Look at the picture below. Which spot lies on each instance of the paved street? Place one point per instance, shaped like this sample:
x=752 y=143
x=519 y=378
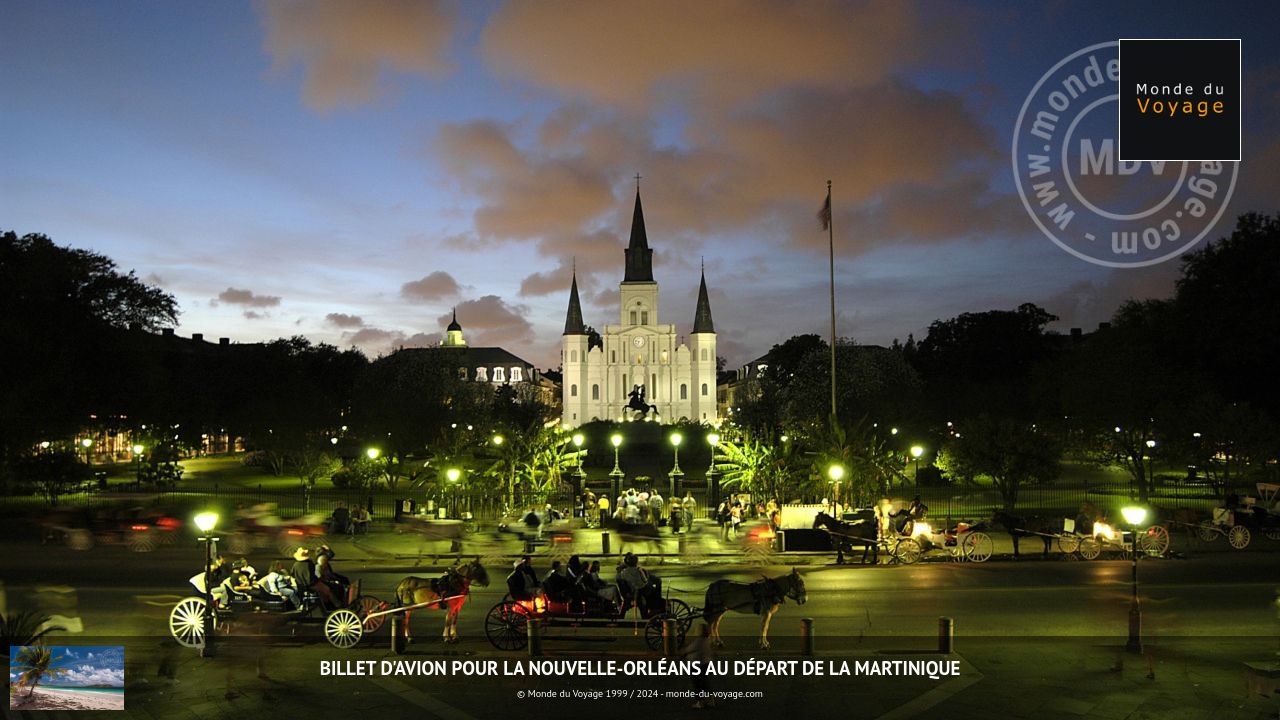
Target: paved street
x=1038 y=637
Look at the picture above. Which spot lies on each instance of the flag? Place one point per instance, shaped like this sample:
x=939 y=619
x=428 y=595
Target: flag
x=824 y=215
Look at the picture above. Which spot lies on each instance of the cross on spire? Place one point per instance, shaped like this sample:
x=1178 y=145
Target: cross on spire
x=637 y=182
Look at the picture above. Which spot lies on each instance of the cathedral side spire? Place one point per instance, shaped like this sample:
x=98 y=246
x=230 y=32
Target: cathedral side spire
x=573 y=324
x=702 y=317
x=639 y=255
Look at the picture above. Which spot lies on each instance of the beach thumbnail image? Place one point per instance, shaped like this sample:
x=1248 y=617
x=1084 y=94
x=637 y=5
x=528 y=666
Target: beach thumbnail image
x=66 y=677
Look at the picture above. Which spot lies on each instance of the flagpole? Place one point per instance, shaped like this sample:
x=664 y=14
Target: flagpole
x=831 y=257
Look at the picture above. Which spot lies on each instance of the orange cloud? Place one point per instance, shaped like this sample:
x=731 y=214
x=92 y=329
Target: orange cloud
x=344 y=46
x=435 y=286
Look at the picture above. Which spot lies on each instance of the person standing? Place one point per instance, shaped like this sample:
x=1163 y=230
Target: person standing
x=690 y=509
x=658 y=507
x=603 y=505
x=676 y=511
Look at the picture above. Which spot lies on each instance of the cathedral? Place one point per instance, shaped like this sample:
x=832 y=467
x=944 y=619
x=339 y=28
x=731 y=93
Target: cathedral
x=640 y=368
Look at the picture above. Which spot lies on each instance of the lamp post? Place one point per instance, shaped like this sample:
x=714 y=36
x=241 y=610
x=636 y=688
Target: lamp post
x=615 y=475
x=453 y=474
x=713 y=486
x=1134 y=516
x=676 y=474
x=916 y=452
x=578 y=474
x=206 y=522
x=836 y=473
x=1151 y=461
x=87 y=443
x=137 y=463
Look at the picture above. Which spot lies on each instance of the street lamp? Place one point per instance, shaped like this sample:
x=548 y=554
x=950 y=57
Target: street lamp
x=615 y=475
x=916 y=452
x=836 y=473
x=86 y=444
x=137 y=463
x=1151 y=461
x=206 y=522
x=578 y=475
x=497 y=439
x=372 y=453
x=1135 y=516
x=453 y=474
x=714 y=441
x=676 y=474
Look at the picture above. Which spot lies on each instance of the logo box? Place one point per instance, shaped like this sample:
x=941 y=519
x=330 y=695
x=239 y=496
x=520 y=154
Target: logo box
x=1180 y=100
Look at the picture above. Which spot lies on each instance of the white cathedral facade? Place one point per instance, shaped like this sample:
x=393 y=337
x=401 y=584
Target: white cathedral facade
x=639 y=355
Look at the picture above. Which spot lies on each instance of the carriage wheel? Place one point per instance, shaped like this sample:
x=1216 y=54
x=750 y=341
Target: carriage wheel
x=343 y=628
x=240 y=543
x=505 y=626
x=1207 y=532
x=977 y=547
x=141 y=541
x=366 y=604
x=908 y=551
x=186 y=622
x=681 y=611
x=1239 y=537
x=1069 y=544
x=79 y=539
x=1090 y=548
x=1272 y=533
x=653 y=630
x=1155 y=541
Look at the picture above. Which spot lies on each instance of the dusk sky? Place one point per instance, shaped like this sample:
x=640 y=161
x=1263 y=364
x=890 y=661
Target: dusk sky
x=351 y=171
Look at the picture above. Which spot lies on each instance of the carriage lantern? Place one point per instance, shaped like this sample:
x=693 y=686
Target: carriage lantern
x=1135 y=516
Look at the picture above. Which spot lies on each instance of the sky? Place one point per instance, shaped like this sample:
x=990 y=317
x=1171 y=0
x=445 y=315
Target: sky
x=351 y=172
x=84 y=665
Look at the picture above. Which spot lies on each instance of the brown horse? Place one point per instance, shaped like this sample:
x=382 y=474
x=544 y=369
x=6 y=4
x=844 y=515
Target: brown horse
x=762 y=597
x=443 y=593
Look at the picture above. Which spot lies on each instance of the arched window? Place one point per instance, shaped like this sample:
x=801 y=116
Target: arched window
x=573 y=356
x=684 y=391
x=613 y=356
x=482 y=374
x=573 y=391
x=644 y=317
x=654 y=384
x=704 y=354
x=633 y=317
x=704 y=389
x=499 y=375
x=516 y=374
x=595 y=392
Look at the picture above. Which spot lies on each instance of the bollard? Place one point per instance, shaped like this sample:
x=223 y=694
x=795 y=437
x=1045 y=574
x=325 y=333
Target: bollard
x=806 y=636
x=604 y=543
x=946 y=635
x=670 y=637
x=781 y=539
x=682 y=543
x=528 y=547
x=533 y=628
x=397 y=634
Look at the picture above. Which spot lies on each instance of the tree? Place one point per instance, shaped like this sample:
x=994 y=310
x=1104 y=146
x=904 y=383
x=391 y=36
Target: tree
x=52 y=472
x=60 y=311
x=1009 y=452
x=983 y=362
x=33 y=663
x=870 y=464
x=24 y=628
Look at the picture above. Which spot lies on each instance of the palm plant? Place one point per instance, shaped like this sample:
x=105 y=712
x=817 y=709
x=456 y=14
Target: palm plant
x=24 y=628
x=870 y=464
x=33 y=663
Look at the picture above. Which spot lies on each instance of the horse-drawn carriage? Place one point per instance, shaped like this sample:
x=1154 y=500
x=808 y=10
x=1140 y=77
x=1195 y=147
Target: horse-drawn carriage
x=506 y=625
x=1087 y=536
x=343 y=627
x=1238 y=520
x=909 y=538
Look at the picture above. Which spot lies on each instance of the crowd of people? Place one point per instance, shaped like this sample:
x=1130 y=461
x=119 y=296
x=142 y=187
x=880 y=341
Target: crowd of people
x=578 y=581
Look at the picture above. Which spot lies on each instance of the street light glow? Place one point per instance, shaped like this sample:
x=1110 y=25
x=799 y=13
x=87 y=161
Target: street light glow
x=373 y=453
x=206 y=521
x=893 y=431
x=784 y=438
x=497 y=439
x=835 y=472
x=676 y=439
x=713 y=439
x=916 y=451
x=578 y=439
x=137 y=449
x=616 y=439
x=1151 y=443
x=1134 y=515
x=86 y=443
x=453 y=474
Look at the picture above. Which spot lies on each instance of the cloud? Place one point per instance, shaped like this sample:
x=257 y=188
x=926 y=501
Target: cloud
x=380 y=341
x=91 y=675
x=490 y=320
x=435 y=286
x=343 y=320
x=232 y=296
x=722 y=52
x=254 y=315
x=345 y=47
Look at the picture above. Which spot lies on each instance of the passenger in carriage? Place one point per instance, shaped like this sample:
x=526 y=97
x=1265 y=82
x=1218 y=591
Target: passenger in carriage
x=638 y=585
x=304 y=574
x=557 y=584
x=330 y=579
x=279 y=584
x=596 y=584
x=523 y=583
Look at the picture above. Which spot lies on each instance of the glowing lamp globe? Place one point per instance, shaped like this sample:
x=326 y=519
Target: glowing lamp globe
x=206 y=521
x=835 y=472
x=916 y=451
x=1134 y=515
x=676 y=439
x=578 y=439
x=616 y=440
x=453 y=474
x=713 y=439
x=373 y=453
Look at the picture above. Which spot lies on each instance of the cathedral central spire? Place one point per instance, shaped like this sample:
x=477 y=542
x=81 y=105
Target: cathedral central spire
x=639 y=255
x=573 y=324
